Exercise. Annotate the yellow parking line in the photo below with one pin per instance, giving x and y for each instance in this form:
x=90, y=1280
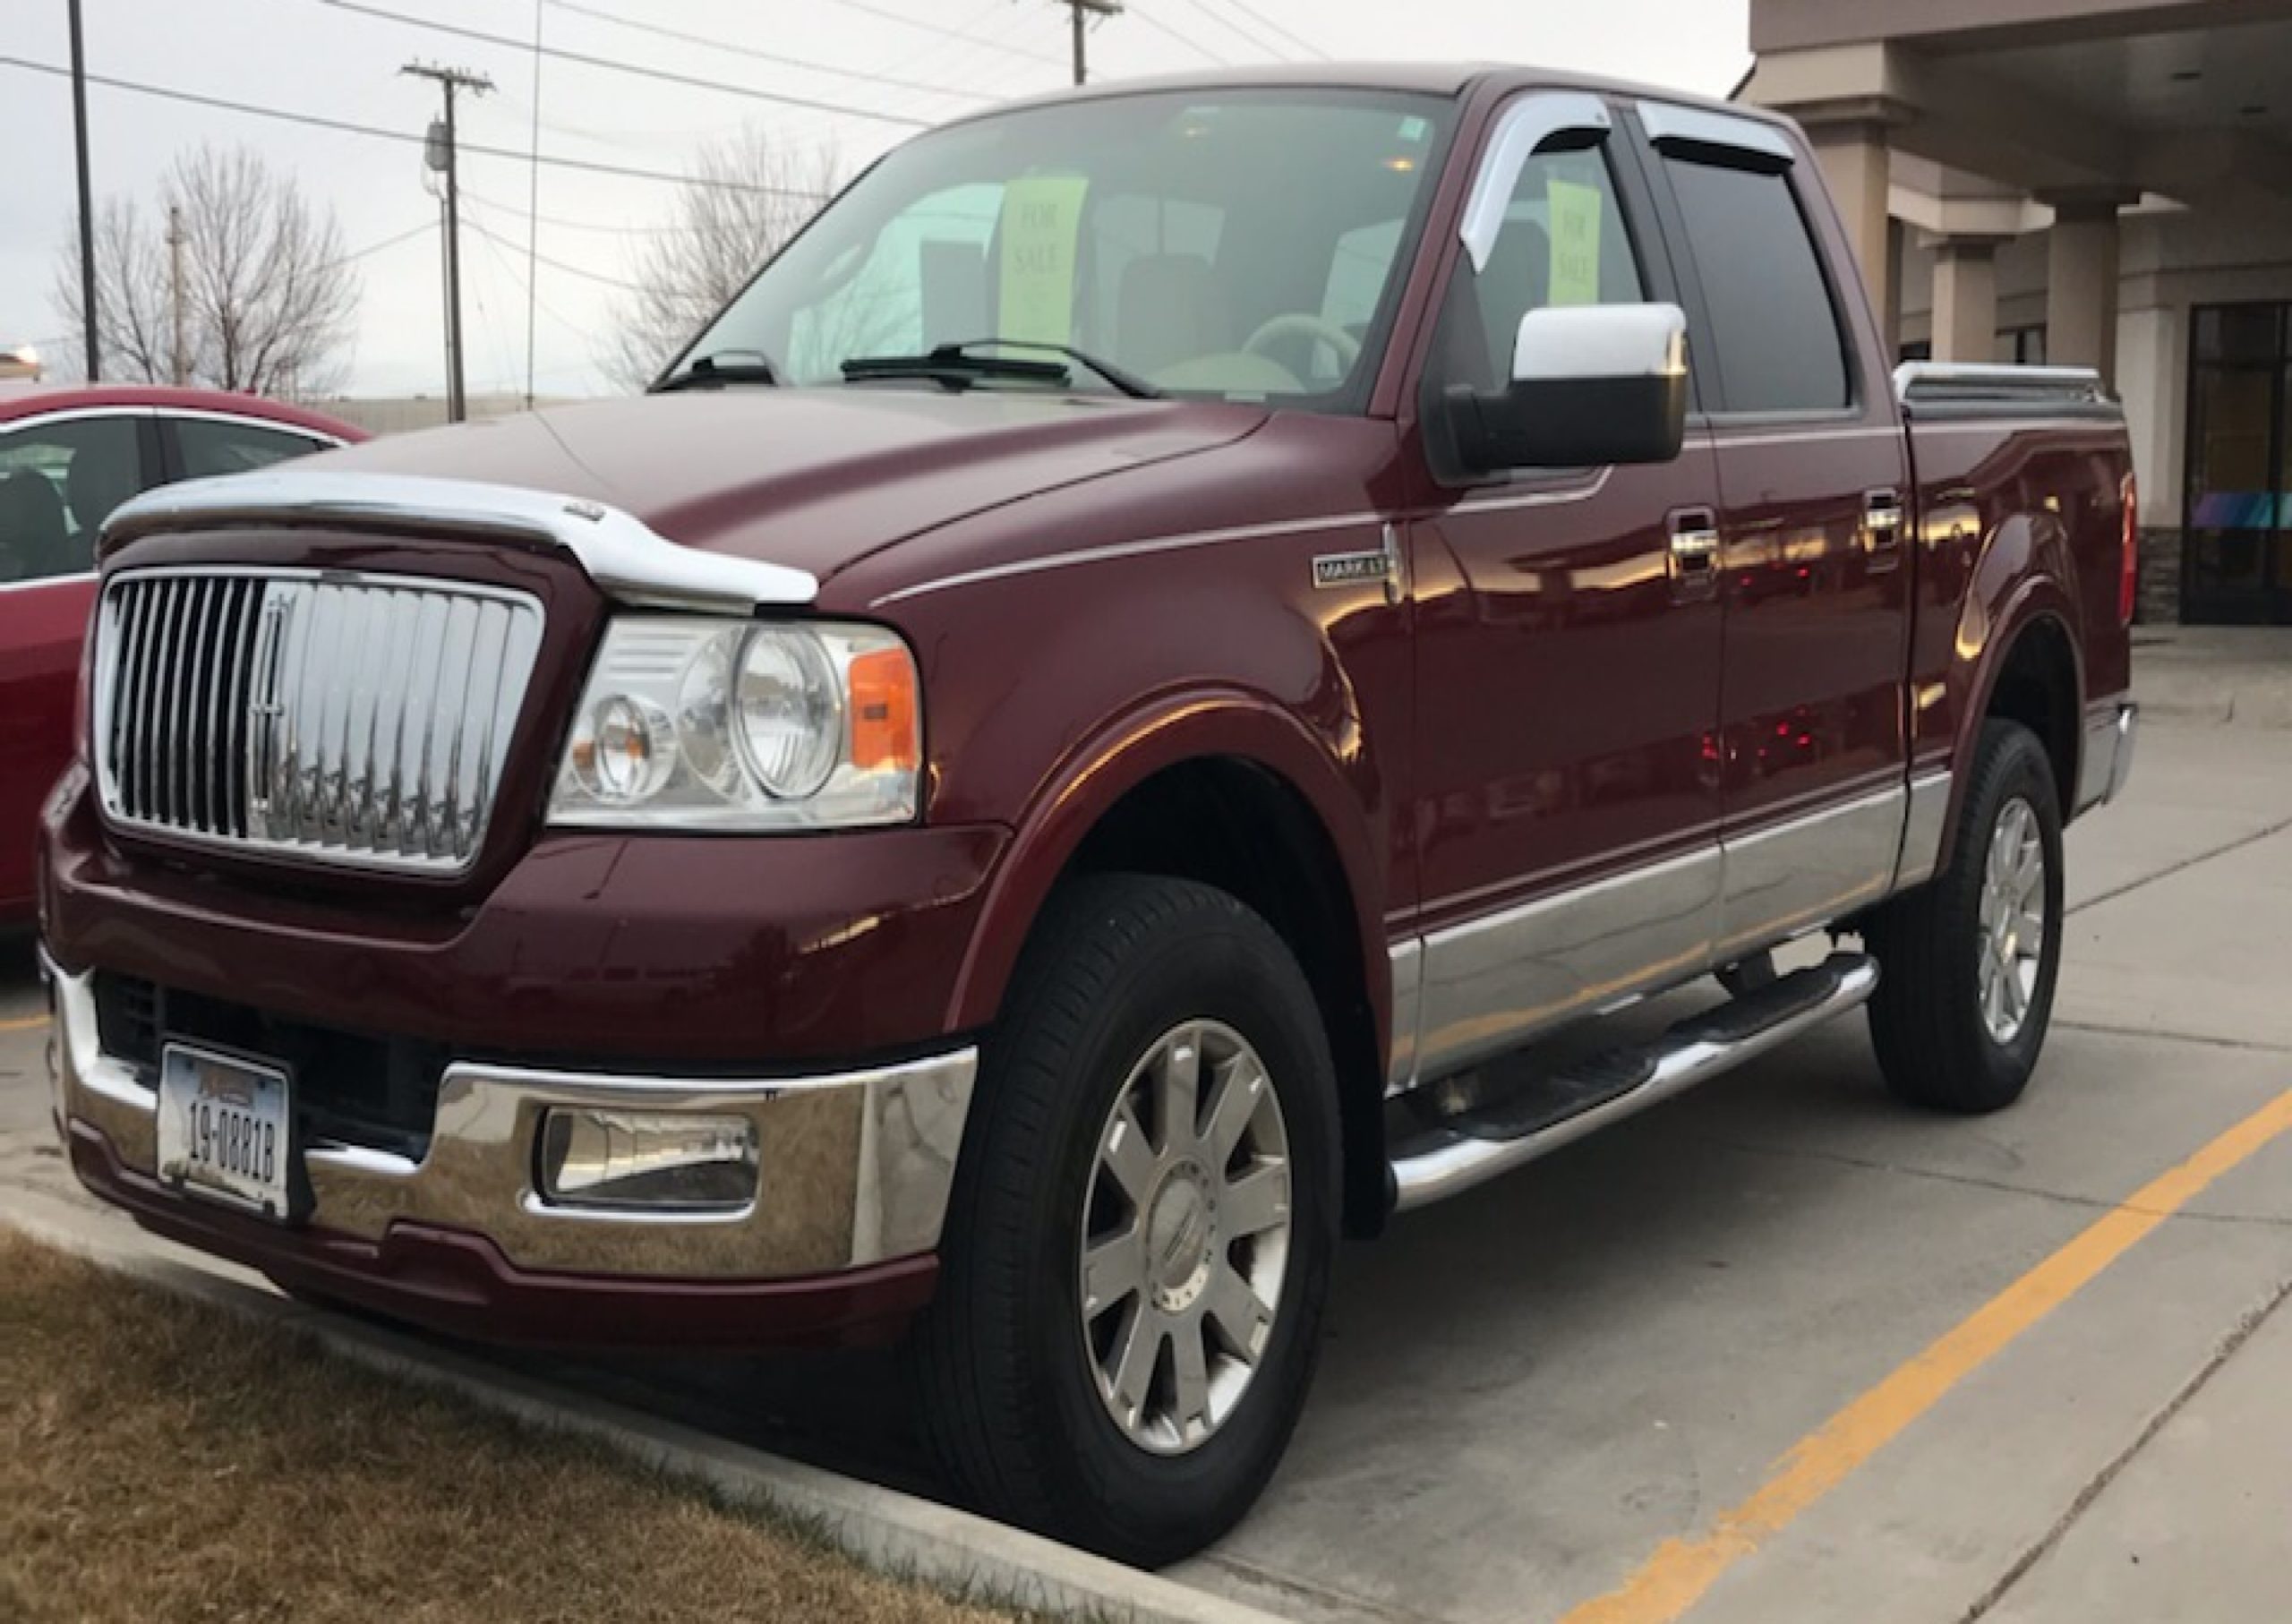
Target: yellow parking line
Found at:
x=22, y=1024
x=1676, y=1577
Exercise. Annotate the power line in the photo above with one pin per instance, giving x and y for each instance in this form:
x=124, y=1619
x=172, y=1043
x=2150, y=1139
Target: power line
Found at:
x=389, y=242
x=1276, y=29
x=1255, y=42
x=1160, y=27
x=638, y=70
x=484, y=230
x=571, y=225
x=947, y=33
x=380, y=133
x=738, y=49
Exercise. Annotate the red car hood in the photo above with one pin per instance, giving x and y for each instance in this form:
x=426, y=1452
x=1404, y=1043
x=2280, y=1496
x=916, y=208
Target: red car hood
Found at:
x=813, y=479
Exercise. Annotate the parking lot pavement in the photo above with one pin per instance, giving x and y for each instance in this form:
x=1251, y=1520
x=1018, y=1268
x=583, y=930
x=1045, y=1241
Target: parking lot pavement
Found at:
x=1783, y=1349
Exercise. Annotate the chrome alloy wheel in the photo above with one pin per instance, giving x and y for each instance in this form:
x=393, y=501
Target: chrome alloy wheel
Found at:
x=2012, y=921
x=1186, y=1236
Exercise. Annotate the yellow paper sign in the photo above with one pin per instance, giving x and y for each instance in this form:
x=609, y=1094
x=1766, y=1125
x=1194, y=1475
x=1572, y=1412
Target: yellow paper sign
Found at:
x=1042, y=220
x=1574, y=212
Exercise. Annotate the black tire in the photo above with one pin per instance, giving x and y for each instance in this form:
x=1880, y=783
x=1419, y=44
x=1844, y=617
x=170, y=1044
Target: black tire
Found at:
x=1007, y=1392
x=1926, y=1021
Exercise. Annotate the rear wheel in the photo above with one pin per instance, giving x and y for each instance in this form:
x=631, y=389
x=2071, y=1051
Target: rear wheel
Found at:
x=1967, y=961
x=1139, y=1241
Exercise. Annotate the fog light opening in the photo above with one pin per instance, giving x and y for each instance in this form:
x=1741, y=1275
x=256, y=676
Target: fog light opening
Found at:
x=658, y=1161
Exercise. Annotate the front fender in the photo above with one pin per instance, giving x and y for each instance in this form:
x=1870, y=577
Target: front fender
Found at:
x=1219, y=721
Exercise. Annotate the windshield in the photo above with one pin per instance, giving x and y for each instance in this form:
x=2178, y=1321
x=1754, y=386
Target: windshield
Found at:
x=1245, y=244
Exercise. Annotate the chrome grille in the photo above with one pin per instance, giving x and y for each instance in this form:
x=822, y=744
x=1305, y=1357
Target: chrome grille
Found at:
x=351, y=719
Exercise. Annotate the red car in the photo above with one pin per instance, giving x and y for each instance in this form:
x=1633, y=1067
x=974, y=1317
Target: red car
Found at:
x=67, y=457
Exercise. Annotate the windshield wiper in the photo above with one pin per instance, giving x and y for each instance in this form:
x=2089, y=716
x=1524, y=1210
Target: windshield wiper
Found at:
x=958, y=366
x=714, y=372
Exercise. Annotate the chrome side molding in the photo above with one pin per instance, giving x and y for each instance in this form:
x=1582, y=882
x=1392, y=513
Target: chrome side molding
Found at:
x=626, y=558
x=1490, y=984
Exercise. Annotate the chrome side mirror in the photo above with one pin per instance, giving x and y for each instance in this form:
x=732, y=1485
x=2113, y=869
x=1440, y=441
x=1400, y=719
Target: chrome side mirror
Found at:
x=1591, y=384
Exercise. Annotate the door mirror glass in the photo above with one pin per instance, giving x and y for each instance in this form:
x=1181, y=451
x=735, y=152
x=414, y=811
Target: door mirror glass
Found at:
x=1591, y=384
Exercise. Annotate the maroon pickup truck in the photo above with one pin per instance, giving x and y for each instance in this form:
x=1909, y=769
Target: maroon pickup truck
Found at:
x=1146, y=697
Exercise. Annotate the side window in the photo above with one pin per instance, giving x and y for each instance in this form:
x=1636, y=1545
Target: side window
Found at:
x=1774, y=328
x=58, y=482
x=1562, y=242
x=208, y=447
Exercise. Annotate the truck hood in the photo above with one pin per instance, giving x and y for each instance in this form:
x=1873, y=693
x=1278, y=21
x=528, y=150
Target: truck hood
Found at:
x=813, y=479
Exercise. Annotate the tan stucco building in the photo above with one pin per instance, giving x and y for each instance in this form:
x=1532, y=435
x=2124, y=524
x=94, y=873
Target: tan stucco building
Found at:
x=2106, y=182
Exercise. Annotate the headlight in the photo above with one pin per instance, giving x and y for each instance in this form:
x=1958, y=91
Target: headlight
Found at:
x=688, y=723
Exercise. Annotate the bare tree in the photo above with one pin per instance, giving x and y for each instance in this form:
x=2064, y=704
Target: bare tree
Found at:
x=746, y=196
x=268, y=298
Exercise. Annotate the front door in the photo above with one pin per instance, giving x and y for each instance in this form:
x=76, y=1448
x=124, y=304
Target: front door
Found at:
x=1568, y=646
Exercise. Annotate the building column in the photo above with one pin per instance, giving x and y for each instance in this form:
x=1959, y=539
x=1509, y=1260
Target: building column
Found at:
x=1890, y=313
x=2080, y=284
x=1965, y=299
x=1855, y=167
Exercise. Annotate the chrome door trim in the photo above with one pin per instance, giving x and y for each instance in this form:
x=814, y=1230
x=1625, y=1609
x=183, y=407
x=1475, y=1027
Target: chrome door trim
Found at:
x=1407, y=961
x=1491, y=983
x=1808, y=871
x=626, y=558
x=1921, y=829
x=1525, y=124
x=1475, y=989
x=82, y=576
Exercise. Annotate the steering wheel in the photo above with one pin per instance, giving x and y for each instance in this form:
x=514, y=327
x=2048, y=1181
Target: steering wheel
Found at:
x=1302, y=324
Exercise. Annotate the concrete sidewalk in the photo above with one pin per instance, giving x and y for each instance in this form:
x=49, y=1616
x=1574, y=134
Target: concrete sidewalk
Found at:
x=2240, y=676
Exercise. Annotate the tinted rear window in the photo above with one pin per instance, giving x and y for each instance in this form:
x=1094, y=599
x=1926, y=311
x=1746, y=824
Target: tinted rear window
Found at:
x=1776, y=331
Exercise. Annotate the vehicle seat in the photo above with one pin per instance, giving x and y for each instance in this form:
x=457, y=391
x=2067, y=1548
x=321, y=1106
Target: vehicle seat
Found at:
x=35, y=542
x=95, y=485
x=1169, y=309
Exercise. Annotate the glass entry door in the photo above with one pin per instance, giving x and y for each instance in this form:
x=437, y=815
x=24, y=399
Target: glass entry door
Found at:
x=2237, y=520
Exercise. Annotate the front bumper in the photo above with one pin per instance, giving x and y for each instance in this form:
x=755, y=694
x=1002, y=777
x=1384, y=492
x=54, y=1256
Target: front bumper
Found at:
x=855, y=1171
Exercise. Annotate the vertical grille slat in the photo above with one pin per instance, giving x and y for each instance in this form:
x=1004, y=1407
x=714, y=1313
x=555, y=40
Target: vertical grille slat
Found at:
x=342, y=718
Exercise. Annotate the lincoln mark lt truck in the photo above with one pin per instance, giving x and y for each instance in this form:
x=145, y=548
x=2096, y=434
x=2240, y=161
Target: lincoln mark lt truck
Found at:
x=1147, y=697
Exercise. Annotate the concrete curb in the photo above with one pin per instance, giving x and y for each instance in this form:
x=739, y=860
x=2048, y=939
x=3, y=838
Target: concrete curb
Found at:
x=882, y=1529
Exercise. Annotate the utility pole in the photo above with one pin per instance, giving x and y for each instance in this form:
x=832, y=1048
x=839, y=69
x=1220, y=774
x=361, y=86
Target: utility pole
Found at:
x=441, y=157
x=87, y=199
x=1082, y=10
x=181, y=367
x=533, y=214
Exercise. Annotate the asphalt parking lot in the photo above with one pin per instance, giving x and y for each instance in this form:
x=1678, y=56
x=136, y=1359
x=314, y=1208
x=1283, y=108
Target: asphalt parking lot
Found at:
x=1783, y=1350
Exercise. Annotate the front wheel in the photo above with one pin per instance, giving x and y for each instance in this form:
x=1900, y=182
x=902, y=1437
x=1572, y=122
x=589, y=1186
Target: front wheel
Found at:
x=1139, y=1242
x=1967, y=961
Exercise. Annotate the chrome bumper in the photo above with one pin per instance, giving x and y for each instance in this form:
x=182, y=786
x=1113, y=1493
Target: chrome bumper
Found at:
x=855, y=1168
x=2110, y=733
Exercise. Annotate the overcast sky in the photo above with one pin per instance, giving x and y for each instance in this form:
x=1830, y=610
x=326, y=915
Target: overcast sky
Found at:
x=324, y=59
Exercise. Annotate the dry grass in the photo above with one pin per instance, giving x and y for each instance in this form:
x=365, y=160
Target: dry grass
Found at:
x=167, y=1460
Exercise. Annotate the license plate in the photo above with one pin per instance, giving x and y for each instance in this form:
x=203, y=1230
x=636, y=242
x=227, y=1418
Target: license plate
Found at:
x=223, y=1128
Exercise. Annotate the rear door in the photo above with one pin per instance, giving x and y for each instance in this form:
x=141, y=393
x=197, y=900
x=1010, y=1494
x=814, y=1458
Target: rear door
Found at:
x=1568, y=638
x=60, y=477
x=1816, y=562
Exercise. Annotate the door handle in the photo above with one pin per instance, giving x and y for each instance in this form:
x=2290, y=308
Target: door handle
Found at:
x=1695, y=552
x=1882, y=528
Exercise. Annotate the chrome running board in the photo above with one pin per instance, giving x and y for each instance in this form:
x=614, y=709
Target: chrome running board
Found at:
x=1453, y=1153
